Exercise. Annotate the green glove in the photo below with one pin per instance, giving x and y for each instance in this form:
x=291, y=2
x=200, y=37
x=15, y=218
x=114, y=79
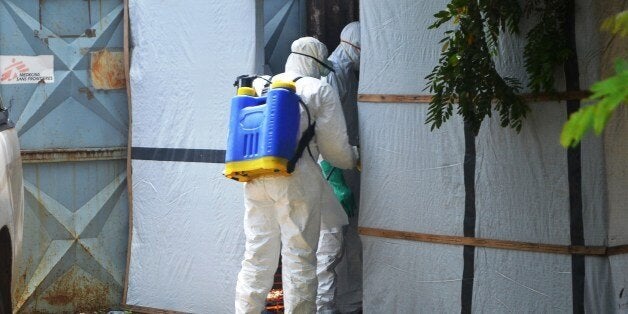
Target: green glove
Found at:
x=335, y=179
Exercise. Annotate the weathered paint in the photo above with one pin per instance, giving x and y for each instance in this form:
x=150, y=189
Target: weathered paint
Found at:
x=67, y=295
x=73, y=238
x=62, y=155
x=72, y=134
x=107, y=69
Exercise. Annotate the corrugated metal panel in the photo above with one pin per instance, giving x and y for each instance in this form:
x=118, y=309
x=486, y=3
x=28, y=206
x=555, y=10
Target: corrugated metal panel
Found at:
x=72, y=132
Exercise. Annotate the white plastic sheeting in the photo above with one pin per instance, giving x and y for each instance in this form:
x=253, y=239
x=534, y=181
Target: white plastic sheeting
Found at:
x=522, y=195
x=616, y=149
x=411, y=277
x=403, y=189
x=413, y=180
x=187, y=237
x=413, y=168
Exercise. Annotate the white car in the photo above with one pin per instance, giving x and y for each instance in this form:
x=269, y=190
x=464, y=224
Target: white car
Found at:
x=11, y=208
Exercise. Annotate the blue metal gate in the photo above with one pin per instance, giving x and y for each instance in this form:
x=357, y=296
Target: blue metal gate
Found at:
x=73, y=134
x=284, y=22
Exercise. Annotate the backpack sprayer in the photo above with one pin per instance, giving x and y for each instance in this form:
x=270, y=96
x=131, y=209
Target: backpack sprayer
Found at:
x=263, y=131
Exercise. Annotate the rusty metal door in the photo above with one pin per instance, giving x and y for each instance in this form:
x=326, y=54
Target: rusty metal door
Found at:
x=73, y=133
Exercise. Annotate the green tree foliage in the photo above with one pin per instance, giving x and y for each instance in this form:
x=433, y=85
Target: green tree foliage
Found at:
x=609, y=94
x=465, y=76
x=546, y=47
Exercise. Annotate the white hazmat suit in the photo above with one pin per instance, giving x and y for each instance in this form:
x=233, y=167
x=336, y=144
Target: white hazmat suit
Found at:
x=331, y=246
x=329, y=252
x=283, y=213
x=346, y=62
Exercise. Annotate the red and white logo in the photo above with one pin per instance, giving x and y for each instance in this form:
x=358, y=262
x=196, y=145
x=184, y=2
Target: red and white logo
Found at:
x=11, y=72
x=26, y=69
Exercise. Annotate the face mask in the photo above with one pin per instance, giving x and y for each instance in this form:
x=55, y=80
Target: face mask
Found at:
x=323, y=67
x=357, y=49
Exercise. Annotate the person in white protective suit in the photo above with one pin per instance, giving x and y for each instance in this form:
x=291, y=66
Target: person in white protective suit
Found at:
x=331, y=248
x=346, y=63
x=283, y=213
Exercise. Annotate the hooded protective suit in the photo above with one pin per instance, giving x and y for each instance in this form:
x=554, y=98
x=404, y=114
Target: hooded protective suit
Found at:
x=331, y=248
x=346, y=62
x=283, y=213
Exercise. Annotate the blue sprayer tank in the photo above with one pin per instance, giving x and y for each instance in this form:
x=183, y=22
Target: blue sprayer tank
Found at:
x=263, y=132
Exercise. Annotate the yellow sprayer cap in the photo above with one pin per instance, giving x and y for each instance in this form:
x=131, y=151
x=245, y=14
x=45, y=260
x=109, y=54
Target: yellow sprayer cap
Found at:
x=246, y=91
x=284, y=84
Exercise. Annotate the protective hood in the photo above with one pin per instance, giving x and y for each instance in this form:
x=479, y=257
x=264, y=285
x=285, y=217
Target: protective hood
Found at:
x=349, y=48
x=303, y=65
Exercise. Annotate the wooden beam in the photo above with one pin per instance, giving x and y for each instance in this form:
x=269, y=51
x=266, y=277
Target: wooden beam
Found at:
x=424, y=99
x=129, y=168
x=563, y=96
x=495, y=244
x=386, y=98
x=618, y=250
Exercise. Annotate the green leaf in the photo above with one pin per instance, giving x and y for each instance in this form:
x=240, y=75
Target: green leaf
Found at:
x=610, y=94
x=454, y=59
x=442, y=15
x=617, y=24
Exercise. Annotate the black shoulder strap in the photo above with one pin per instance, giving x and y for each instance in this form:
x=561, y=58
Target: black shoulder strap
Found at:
x=266, y=85
x=306, y=137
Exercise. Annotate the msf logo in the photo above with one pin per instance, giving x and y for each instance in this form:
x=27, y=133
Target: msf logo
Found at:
x=13, y=70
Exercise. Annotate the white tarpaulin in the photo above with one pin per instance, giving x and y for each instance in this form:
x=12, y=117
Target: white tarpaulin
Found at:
x=187, y=236
x=414, y=180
